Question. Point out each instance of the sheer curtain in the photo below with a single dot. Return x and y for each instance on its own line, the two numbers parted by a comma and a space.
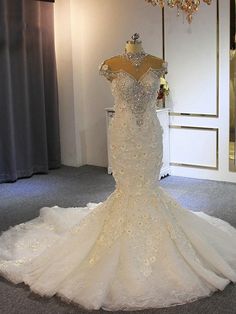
29, 123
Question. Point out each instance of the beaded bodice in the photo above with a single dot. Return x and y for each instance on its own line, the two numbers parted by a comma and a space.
131, 94
135, 131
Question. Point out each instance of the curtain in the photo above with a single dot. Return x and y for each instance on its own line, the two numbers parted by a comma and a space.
29, 122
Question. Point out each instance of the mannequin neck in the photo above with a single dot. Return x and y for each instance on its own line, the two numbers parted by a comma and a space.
131, 47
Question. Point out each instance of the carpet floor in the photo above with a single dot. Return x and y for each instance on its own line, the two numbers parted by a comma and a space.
68, 186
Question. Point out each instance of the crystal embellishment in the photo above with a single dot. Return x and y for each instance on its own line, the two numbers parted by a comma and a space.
135, 58
132, 94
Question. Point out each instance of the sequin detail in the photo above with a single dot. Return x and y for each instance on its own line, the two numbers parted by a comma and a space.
137, 94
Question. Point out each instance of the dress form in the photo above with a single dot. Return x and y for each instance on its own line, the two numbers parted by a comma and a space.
133, 46
123, 62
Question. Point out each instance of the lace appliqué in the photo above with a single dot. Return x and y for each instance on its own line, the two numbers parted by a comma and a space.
162, 71
105, 71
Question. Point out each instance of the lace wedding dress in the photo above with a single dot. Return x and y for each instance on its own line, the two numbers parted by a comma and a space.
137, 249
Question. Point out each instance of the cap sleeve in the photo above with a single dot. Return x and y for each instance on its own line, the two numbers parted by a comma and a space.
161, 71
106, 71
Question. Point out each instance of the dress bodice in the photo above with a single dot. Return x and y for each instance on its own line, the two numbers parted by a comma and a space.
135, 131
135, 96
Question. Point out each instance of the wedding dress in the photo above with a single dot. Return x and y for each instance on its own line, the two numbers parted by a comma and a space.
137, 249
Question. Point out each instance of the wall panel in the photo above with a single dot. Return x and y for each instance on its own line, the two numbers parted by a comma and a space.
191, 51
197, 146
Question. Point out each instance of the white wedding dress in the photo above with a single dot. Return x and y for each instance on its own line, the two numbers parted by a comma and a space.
137, 249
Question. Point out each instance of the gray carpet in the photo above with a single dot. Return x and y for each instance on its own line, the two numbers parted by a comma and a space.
21, 201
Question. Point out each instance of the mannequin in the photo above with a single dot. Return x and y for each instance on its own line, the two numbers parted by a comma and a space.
123, 62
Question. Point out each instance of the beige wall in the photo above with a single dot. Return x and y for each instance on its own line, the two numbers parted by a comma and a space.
95, 30
65, 71
193, 75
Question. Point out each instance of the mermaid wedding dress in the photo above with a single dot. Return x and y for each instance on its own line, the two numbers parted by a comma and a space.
137, 249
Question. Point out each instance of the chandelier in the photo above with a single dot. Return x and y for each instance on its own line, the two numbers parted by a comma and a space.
189, 7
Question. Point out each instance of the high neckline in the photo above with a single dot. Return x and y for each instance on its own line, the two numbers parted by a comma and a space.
135, 58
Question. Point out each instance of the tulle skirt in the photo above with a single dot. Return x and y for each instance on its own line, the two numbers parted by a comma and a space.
138, 252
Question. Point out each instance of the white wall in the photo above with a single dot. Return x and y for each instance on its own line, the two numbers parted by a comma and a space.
192, 58
89, 31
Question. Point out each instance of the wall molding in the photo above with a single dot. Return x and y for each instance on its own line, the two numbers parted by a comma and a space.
216, 130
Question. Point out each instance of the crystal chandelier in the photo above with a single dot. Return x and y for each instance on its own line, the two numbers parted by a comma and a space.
189, 7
